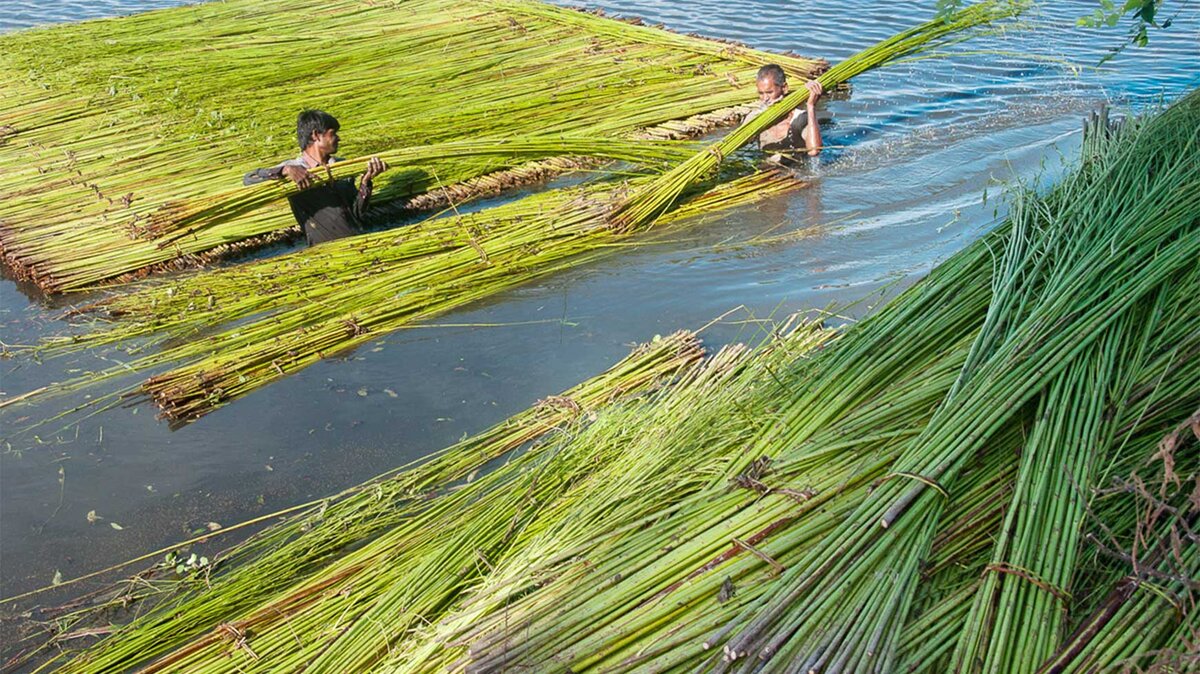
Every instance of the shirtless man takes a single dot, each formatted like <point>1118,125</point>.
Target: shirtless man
<point>800,130</point>
<point>328,210</point>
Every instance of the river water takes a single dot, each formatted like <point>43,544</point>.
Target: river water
<point>914,148</point>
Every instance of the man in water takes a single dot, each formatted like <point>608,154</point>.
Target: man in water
<point>800,130</point>
<point>328,210</point>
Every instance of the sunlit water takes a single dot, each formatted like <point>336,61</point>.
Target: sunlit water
<point>914,149</point>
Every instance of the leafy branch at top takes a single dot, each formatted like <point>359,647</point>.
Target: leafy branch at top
<point>1143,13</point>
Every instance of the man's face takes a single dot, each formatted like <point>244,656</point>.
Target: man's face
<point>326,142</point>
<point>770,91</point>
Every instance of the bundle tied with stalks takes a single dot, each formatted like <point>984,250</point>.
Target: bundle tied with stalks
<point>417,523</point>
<point>1091,287</point>
<point>268,563</point>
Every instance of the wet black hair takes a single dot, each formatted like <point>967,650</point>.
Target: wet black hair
<point>313,121</point>
<point>774,72</point>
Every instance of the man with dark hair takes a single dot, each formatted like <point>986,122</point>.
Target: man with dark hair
<point>332,209</point>
<point>800,130</point>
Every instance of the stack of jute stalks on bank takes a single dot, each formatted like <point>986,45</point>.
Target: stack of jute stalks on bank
<point>362,512</point>
<point>405,522</point>
<point>316,302</point>
<point>111,125</point>
<point>981,458</point>
<point>997,472</point>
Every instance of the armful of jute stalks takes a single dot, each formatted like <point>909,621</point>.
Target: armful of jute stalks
<point>650,202</point>
<point>176,219</point>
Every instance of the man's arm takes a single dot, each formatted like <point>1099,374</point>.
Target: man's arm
<point>289,169</point>
<point>374,167</point>
<point>262,175</point>
<point>812,132</point>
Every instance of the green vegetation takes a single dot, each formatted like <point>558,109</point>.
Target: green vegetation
<point>310,304</point>
<point>393,497</point>
<point>651,201</point>
<point>1142,16</point>
<point>111,124</point>
<point>996,472</point>
<point>313,302</point>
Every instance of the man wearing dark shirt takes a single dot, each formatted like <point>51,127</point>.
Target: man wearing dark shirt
<point>328,210</point>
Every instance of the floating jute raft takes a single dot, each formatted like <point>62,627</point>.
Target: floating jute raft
<point>313,303</point>
<point>112,126</point>
<point>997,472</point>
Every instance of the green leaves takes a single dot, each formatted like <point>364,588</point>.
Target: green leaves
<point>193,565</point>
<point>1142,13</point>
<point>1100,18</point>
<point>945,8</point>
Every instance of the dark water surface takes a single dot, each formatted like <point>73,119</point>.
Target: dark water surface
<point>916,146</point>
